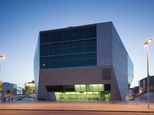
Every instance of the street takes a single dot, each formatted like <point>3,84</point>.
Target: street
<point>38,112</point>
<point>48,108</point>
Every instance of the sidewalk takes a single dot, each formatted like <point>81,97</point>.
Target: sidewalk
<point>108,107</point>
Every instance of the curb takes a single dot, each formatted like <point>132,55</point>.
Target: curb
<point>148,111</point>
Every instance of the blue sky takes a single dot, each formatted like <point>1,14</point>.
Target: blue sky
<point>21,21</point>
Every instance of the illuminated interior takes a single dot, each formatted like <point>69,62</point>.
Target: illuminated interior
<point>91,92</point>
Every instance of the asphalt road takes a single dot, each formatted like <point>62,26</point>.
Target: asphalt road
<point>37,112</point>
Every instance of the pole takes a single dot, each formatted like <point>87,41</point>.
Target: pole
<point>148,77</point>
<point>1,59</point>
<point>0,68</point>
<point>0,83</point>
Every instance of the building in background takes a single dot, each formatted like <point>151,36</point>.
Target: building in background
<point>30,88</point>
<point>143,84</point>
<point>82,63</point>
<point>9,89</point>
<point>1,87</point>
<point>20,90</point>
<point>1,83</point>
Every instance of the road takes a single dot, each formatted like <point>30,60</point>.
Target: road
<point>37,112</point>
<point>48,108</point>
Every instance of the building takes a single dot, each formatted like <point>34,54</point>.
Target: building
<point>30,88</point>
<point>143,84</point>
<point>1,83</point>
<point>9,89</point>
<point>82,63</point>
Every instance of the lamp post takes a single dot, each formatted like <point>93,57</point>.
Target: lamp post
<point>1,88</point>
<point>2,57</point>
<point>146,43</point>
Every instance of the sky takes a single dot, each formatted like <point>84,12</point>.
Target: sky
<point>21,21</point>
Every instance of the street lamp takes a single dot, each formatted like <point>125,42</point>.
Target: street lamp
<point>146,43</point>
<point>2,57</point>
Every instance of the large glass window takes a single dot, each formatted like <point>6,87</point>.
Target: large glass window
<point>80,92</point>
<point>71,33</point>
<point>70,47</point>
<point>75,60</point>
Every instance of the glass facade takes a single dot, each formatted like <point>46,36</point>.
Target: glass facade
<point>81,92</point>
<point>37,65</point>
<point>69,47</point>
<point>130,71</point>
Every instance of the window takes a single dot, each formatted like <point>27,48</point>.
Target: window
<point>70,47</point>
<point>107,87</point>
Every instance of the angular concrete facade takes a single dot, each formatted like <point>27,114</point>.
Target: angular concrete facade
<point>107,65</point>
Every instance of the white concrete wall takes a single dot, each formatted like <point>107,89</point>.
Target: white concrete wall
<point>120,63</point>
<point>104,44</point>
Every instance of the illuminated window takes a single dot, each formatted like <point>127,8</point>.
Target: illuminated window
<point>80,92</point>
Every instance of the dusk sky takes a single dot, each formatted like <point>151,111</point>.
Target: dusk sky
<point>21,21</point>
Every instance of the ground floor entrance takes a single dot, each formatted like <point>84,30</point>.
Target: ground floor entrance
<point>80,92</point>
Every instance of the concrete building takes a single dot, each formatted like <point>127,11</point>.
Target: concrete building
<point>1,84</point>
<point>30,88</point>
<point>82,63</point>
<point>143,84</point>
<point>1,87</point>
<point>8,89</point>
